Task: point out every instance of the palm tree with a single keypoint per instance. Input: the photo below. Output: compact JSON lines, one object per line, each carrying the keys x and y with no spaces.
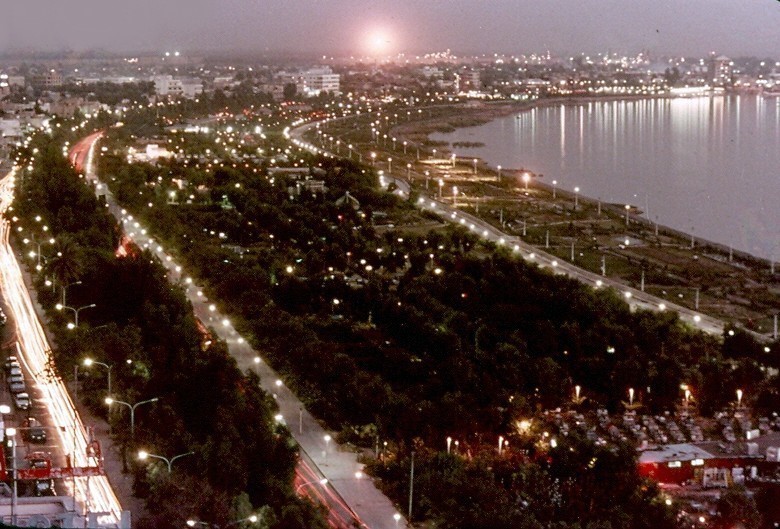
{"x":67,"y":264}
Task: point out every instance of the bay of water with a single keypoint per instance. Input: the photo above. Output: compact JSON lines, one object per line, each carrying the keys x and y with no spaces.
{"x":707,"y":165}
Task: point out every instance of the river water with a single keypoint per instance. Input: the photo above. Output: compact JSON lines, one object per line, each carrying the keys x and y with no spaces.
{"x":706,"y":165}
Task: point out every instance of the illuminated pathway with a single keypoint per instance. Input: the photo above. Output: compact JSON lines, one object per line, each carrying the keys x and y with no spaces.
{"x":347,"y":490}
{"x":634,"y":297}
{"x":94,"y":493}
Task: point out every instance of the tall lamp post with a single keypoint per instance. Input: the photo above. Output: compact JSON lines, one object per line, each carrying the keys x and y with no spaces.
{"x":60,"y":306}
{"x":88,"y":362}
{"x":64,"y":290}
{"x":11,"y":433}
{"x":132,"y":407}
{"x":143,"y":455}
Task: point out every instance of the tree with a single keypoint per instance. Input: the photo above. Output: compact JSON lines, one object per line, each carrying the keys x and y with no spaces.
{"x":67,"y":264}
{"x":737,"y":508}
{"x":289,"y":91}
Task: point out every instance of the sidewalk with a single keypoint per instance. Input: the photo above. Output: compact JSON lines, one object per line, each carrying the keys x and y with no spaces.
{"x":337,"y":464}
{"x":121,"y":483}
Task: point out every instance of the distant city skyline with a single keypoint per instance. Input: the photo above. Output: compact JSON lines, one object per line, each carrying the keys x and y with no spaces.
{"x":353,"y":27}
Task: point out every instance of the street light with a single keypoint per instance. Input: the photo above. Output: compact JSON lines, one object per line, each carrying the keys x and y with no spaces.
{"x":143,"y":455}
{"x":499,"y":173}
{"x":628,"y":208}
{"x":88,"y":362}
{"x":60,"y":306}
{"x":132,"y":407}
{"x":11,"y":432}
{"x":576,"y":197}
{"x":252,"y":519}
{"x":64,"y":289}
{"x":475,"y":165}
{"x":327,"y":439}
{"x":323,"y":482}
{"x":526,"y":179}
{"x":555,"y":187}
{"x":38,"y":253}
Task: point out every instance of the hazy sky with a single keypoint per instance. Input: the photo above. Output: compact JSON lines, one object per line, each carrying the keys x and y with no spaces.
{"x":731,"y":27}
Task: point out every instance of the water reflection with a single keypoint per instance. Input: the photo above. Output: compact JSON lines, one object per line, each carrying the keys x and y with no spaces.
{"x":708,"y":164}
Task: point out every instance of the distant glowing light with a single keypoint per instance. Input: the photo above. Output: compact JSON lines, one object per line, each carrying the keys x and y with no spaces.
{"x":378,"y":42}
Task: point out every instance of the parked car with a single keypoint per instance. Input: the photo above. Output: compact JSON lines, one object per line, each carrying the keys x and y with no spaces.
{"x":22,"y":401}
{"x":15,"y":371}
{"x":11,"y":360}
{"x":17,"y":387}
{"x":15,"y":378}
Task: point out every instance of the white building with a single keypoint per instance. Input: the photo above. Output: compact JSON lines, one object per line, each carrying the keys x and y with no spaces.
{"x":317,"y":80}
{"x":167,"y":86}
{"x":191,"y":88}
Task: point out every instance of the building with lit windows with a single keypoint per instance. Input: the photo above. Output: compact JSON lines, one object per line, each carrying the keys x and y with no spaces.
{"x":720,"y":71}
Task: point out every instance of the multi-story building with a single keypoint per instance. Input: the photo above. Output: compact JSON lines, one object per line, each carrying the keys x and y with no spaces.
{"x":167,"y":86}
{"x":316,"y":81}
{"x":720,"y":70}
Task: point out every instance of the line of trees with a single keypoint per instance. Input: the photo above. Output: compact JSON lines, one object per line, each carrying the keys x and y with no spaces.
{"x":144,"y":328}
{"x":413,"y":337}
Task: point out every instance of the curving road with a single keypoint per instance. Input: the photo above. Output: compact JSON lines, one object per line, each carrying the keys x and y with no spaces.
{"x":634,"y":297}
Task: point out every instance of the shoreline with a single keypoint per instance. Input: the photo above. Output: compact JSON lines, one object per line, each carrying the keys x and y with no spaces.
{"x":475,"y":116}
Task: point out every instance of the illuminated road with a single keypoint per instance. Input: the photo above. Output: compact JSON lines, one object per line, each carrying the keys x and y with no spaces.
{"x":634,"y":297}
{"x":94,"y":493}
{"x":353,"y":501}
{"x":309,"y":482}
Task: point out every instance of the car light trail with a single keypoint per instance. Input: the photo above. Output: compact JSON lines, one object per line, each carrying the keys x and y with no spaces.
{"x":96,"y":492}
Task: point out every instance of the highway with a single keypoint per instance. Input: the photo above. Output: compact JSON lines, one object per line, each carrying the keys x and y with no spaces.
{"x":634,"y":297}
{"x":353,"y":501}
{"x":95,"y":493}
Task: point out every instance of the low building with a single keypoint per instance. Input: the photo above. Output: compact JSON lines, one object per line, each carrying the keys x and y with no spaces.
{"x":711,"y":464}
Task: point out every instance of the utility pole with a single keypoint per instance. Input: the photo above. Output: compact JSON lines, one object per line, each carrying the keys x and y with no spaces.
{"x":411,"y":487}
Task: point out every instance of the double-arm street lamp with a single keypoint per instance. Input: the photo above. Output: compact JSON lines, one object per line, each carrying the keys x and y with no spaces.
{"x":60,"y":306}
{"x":132,"y":407}
{"x":143,"y":455}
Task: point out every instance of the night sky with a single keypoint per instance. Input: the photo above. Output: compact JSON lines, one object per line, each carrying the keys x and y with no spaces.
{"x":359,"y":27}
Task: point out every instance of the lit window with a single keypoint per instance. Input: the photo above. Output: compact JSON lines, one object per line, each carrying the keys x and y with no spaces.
{"x":697,"y":462}
{"x":675,"y":464}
